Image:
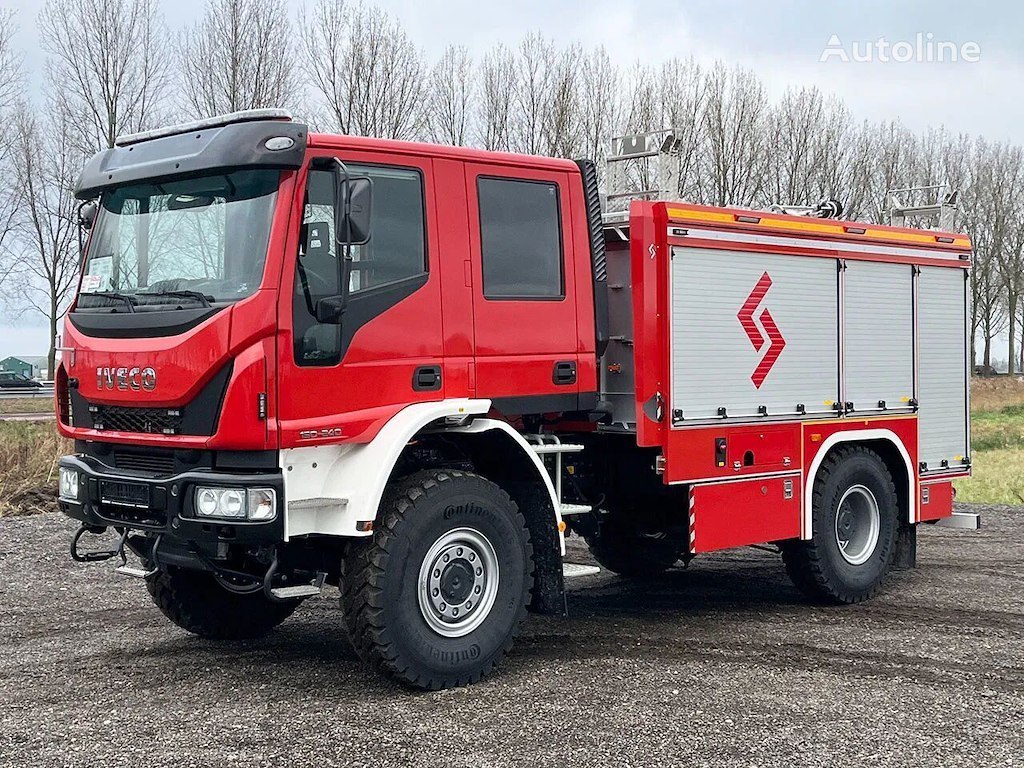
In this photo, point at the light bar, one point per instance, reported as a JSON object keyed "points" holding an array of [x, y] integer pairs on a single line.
{"points": [[218, 121]]}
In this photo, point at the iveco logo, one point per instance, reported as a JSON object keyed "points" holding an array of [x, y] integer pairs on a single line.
{"points": [[126, 378]]}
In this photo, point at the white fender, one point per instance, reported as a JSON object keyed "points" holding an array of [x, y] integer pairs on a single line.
{"points": [[855, 436], [330, 489], [485, 425]]}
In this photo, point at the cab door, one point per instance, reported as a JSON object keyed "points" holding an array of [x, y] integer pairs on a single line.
{"points": [[343, 381], [524, 292]]}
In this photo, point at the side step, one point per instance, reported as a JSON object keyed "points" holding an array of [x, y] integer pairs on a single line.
{"points": [[965, 521], [575, 570], [574, 509], [312, 589], [551, 445]]}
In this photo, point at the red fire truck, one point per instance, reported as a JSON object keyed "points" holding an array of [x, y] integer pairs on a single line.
{"points": [[411, 371]]}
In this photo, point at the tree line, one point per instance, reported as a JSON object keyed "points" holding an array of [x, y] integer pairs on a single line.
{"points": [[115, 67]]}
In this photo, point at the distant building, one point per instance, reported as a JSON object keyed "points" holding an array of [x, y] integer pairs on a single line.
{"points": [[30, 367]]}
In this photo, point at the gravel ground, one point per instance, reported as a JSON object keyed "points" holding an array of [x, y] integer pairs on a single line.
{"points": [[720, 664]]}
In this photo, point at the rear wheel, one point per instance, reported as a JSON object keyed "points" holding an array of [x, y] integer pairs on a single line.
{"points": [[854, 529], [622, 549], [197, 603], [436, 597]]}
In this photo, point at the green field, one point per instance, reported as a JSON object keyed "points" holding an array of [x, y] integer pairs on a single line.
{"points": [[997, 443], [28, 457], [27, 405]]}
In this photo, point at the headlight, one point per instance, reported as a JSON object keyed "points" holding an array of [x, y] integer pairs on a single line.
{"points": [[257, 504], [68, 484]]}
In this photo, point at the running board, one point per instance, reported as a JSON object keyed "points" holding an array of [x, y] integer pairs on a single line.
{"points": [[137, 573], [964, 521], [575, 570], [574, 509], [296, 591]]}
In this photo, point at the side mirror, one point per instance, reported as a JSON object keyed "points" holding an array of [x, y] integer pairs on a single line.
{"points": [[330, 309], [353, 215], [87, 214]]}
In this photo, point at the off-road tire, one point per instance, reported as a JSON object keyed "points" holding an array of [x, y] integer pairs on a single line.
{"points": [[623, 550], [198, 604], [816, 566], [380, 580]]}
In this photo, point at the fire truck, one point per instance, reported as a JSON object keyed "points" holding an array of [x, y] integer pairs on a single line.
{"points": [[411, 371]]}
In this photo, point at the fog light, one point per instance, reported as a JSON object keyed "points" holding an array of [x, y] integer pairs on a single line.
{"points": [[220, 502], [68, 484], [256, 504], [206, 501], [262, 504]]}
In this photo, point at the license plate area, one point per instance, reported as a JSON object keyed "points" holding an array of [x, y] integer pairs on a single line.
{"points": [[121, 494]]}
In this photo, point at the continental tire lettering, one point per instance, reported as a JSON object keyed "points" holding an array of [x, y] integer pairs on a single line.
{"points": [[470, 653], [457, 509]]}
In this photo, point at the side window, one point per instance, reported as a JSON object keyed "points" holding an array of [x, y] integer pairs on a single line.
{"points": [[520, 239], [397, 247], [396, 251]]}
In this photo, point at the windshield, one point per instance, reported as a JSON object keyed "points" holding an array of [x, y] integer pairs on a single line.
{"points": [[196, 241]]}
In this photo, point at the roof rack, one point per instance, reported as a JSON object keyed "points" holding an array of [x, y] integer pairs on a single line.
{"points": [[243, 116]]}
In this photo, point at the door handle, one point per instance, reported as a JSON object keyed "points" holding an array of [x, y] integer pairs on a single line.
{"points": [[564, 373], [427, 378]]}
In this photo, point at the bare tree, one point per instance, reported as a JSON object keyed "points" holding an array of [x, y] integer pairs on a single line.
{"points": [[363, 64], [452, 90], [237, 58], [497, 83], [600, 103], [108, 65], [11, 86], [735, 133], [46, 243], [532, 93]]}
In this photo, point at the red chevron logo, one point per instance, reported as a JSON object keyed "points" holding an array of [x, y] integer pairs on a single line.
{"points": [[757, 339]]}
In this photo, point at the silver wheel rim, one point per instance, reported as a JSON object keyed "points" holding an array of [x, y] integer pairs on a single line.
{"points": [[458, 582], [857, 525]]}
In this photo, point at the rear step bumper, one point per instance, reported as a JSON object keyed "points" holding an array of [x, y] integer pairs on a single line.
{"points": [[965, 521]]}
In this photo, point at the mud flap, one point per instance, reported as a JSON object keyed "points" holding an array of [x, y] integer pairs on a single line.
{"points": [[905, 557]]}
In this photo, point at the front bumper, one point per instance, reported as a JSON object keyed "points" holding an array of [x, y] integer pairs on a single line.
{"points": [[170, 510]]}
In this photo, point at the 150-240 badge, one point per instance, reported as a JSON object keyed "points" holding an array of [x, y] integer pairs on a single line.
{"points": [[319, 434]]}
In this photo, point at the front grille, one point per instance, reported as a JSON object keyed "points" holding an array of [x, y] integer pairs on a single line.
{"points": [[145, 462], [156, 421]]}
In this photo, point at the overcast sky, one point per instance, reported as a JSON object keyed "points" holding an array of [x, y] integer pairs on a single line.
{"points": [[782, 41]]}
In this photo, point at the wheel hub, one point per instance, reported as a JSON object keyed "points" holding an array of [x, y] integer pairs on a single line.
{"points": [[858, 522], [458, 582]]}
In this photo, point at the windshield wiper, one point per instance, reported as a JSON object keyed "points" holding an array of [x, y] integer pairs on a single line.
{"points": [[128, 300], [202, 298]]}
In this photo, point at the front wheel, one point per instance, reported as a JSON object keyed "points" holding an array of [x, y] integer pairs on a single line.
{"points": [[855, 522], [436, 597], [197, 603]]}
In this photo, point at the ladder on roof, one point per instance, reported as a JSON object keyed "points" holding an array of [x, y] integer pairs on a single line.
{"points": [[924, 207], [552, 446], [641, 166]]}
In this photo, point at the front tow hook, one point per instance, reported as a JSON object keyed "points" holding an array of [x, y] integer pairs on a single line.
{"points": [[100, 555]]}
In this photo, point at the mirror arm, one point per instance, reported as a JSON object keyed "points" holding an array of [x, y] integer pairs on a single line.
{"points": [[346, 254]]}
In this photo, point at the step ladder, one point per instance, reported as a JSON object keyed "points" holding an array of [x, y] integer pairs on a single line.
{"points": [[551, 445]]}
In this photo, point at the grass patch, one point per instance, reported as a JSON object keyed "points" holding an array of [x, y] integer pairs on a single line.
{"points": [[28, 456], [27, 405], [998, 478], [997, 443]]}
